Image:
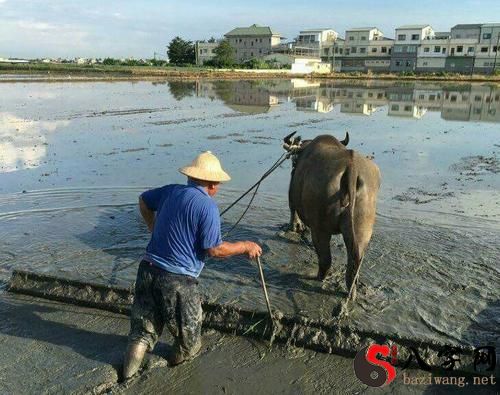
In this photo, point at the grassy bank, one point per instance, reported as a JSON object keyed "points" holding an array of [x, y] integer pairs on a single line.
{"points": [[51, 71]]}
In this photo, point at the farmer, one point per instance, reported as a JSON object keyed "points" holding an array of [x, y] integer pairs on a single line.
{"points": [[185, 225]]}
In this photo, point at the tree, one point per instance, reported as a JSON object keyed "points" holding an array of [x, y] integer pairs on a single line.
{"points": [[110, 61], [224, 55], [181, 51]]}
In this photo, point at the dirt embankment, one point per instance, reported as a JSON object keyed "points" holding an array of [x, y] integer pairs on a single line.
{"points": [[65, 72]]}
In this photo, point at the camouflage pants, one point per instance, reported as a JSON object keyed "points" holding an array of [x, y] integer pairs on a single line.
{"points": [[163, 298]]}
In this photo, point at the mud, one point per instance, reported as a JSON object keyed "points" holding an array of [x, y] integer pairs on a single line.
{"points": [[173, 122], [69, 209], [472, 167], [71, 349], [419, 196], [328, 336]]}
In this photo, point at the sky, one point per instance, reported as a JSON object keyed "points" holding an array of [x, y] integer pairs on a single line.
{"points": [[126, 28]]}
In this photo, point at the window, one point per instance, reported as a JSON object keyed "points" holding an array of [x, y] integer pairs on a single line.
{"points": [[477, 98], [397, 49], [444, 50], [363, 38], [460, 48], [484, 49], [404, 49], [437, 49], [362, 50], [384, 50], [458, 36], [425, 63], [432, 97], [470, 49], [347, 51], [260, 40], [401, 37], [415, 37], [354, 49], [486, 36], [260, 50], [495, 48], [408, 108], [251, 43], [398, 63], [374, 49], [395, 107], [341, 50], [408, 63], [370, 94], [426, 49], [421, 97], [269, 41], [351, 38], [412, 48]]}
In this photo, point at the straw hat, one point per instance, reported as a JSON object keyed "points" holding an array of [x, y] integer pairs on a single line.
{"points": [[205, 167]]}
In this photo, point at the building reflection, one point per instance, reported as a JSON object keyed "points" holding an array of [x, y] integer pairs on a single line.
{"points": [[467, 102]]}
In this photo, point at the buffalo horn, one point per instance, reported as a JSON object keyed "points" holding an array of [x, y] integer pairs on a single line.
{"points": [[288, 139], [346, 140]]}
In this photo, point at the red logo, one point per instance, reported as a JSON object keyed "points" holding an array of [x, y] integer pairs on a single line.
{"points": [[371, 369]]}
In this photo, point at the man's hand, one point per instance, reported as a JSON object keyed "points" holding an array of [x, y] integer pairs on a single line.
{"points": [[253, 249]]}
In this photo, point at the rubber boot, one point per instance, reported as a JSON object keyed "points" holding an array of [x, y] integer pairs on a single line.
{"points": [[178, 356], [133, 358]]}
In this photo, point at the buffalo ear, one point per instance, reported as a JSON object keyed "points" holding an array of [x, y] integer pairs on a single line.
{"points": [[346, 140]]}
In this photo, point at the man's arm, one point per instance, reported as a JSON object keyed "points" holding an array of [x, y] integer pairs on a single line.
{"points": [[226, 249], [147, 214]]}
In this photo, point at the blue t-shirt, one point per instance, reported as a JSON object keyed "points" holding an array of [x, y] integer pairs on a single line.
{"points": [[187, 223]]}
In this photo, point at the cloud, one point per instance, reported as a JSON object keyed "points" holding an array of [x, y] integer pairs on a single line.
{"points": [[33, 25]]}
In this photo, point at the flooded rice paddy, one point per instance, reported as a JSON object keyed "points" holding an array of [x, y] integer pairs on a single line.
{"points": [[75, 156]]}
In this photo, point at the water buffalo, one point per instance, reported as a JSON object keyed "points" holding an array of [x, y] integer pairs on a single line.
{"points": [[333, 190]]}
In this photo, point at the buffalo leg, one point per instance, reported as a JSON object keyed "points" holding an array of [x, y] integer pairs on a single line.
{"points": [[321, 241]]}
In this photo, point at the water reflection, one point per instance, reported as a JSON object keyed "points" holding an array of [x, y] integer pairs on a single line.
{"points": [[465, 102], [22, 142]]}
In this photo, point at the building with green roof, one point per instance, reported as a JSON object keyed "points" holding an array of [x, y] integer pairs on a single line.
{"points": [[253, 41]]}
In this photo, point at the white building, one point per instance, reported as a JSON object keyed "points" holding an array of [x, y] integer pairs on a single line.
{"points": [[311, 42], [366, 48], [406, 44]]}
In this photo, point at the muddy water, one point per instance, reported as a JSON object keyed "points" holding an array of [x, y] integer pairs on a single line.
{"points": [[75, 156]]}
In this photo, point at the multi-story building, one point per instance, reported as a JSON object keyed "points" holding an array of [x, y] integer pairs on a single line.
{"points": [[462, 48], [406, 44], [204, 51], [488, 48], [365, 49], [333, 54], [253, 41], [432, 52]]}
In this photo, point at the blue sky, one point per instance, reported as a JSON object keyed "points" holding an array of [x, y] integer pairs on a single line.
{"points": [[99, 28]]}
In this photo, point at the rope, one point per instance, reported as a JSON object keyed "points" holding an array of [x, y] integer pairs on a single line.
{"points": [[255, 186]]}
